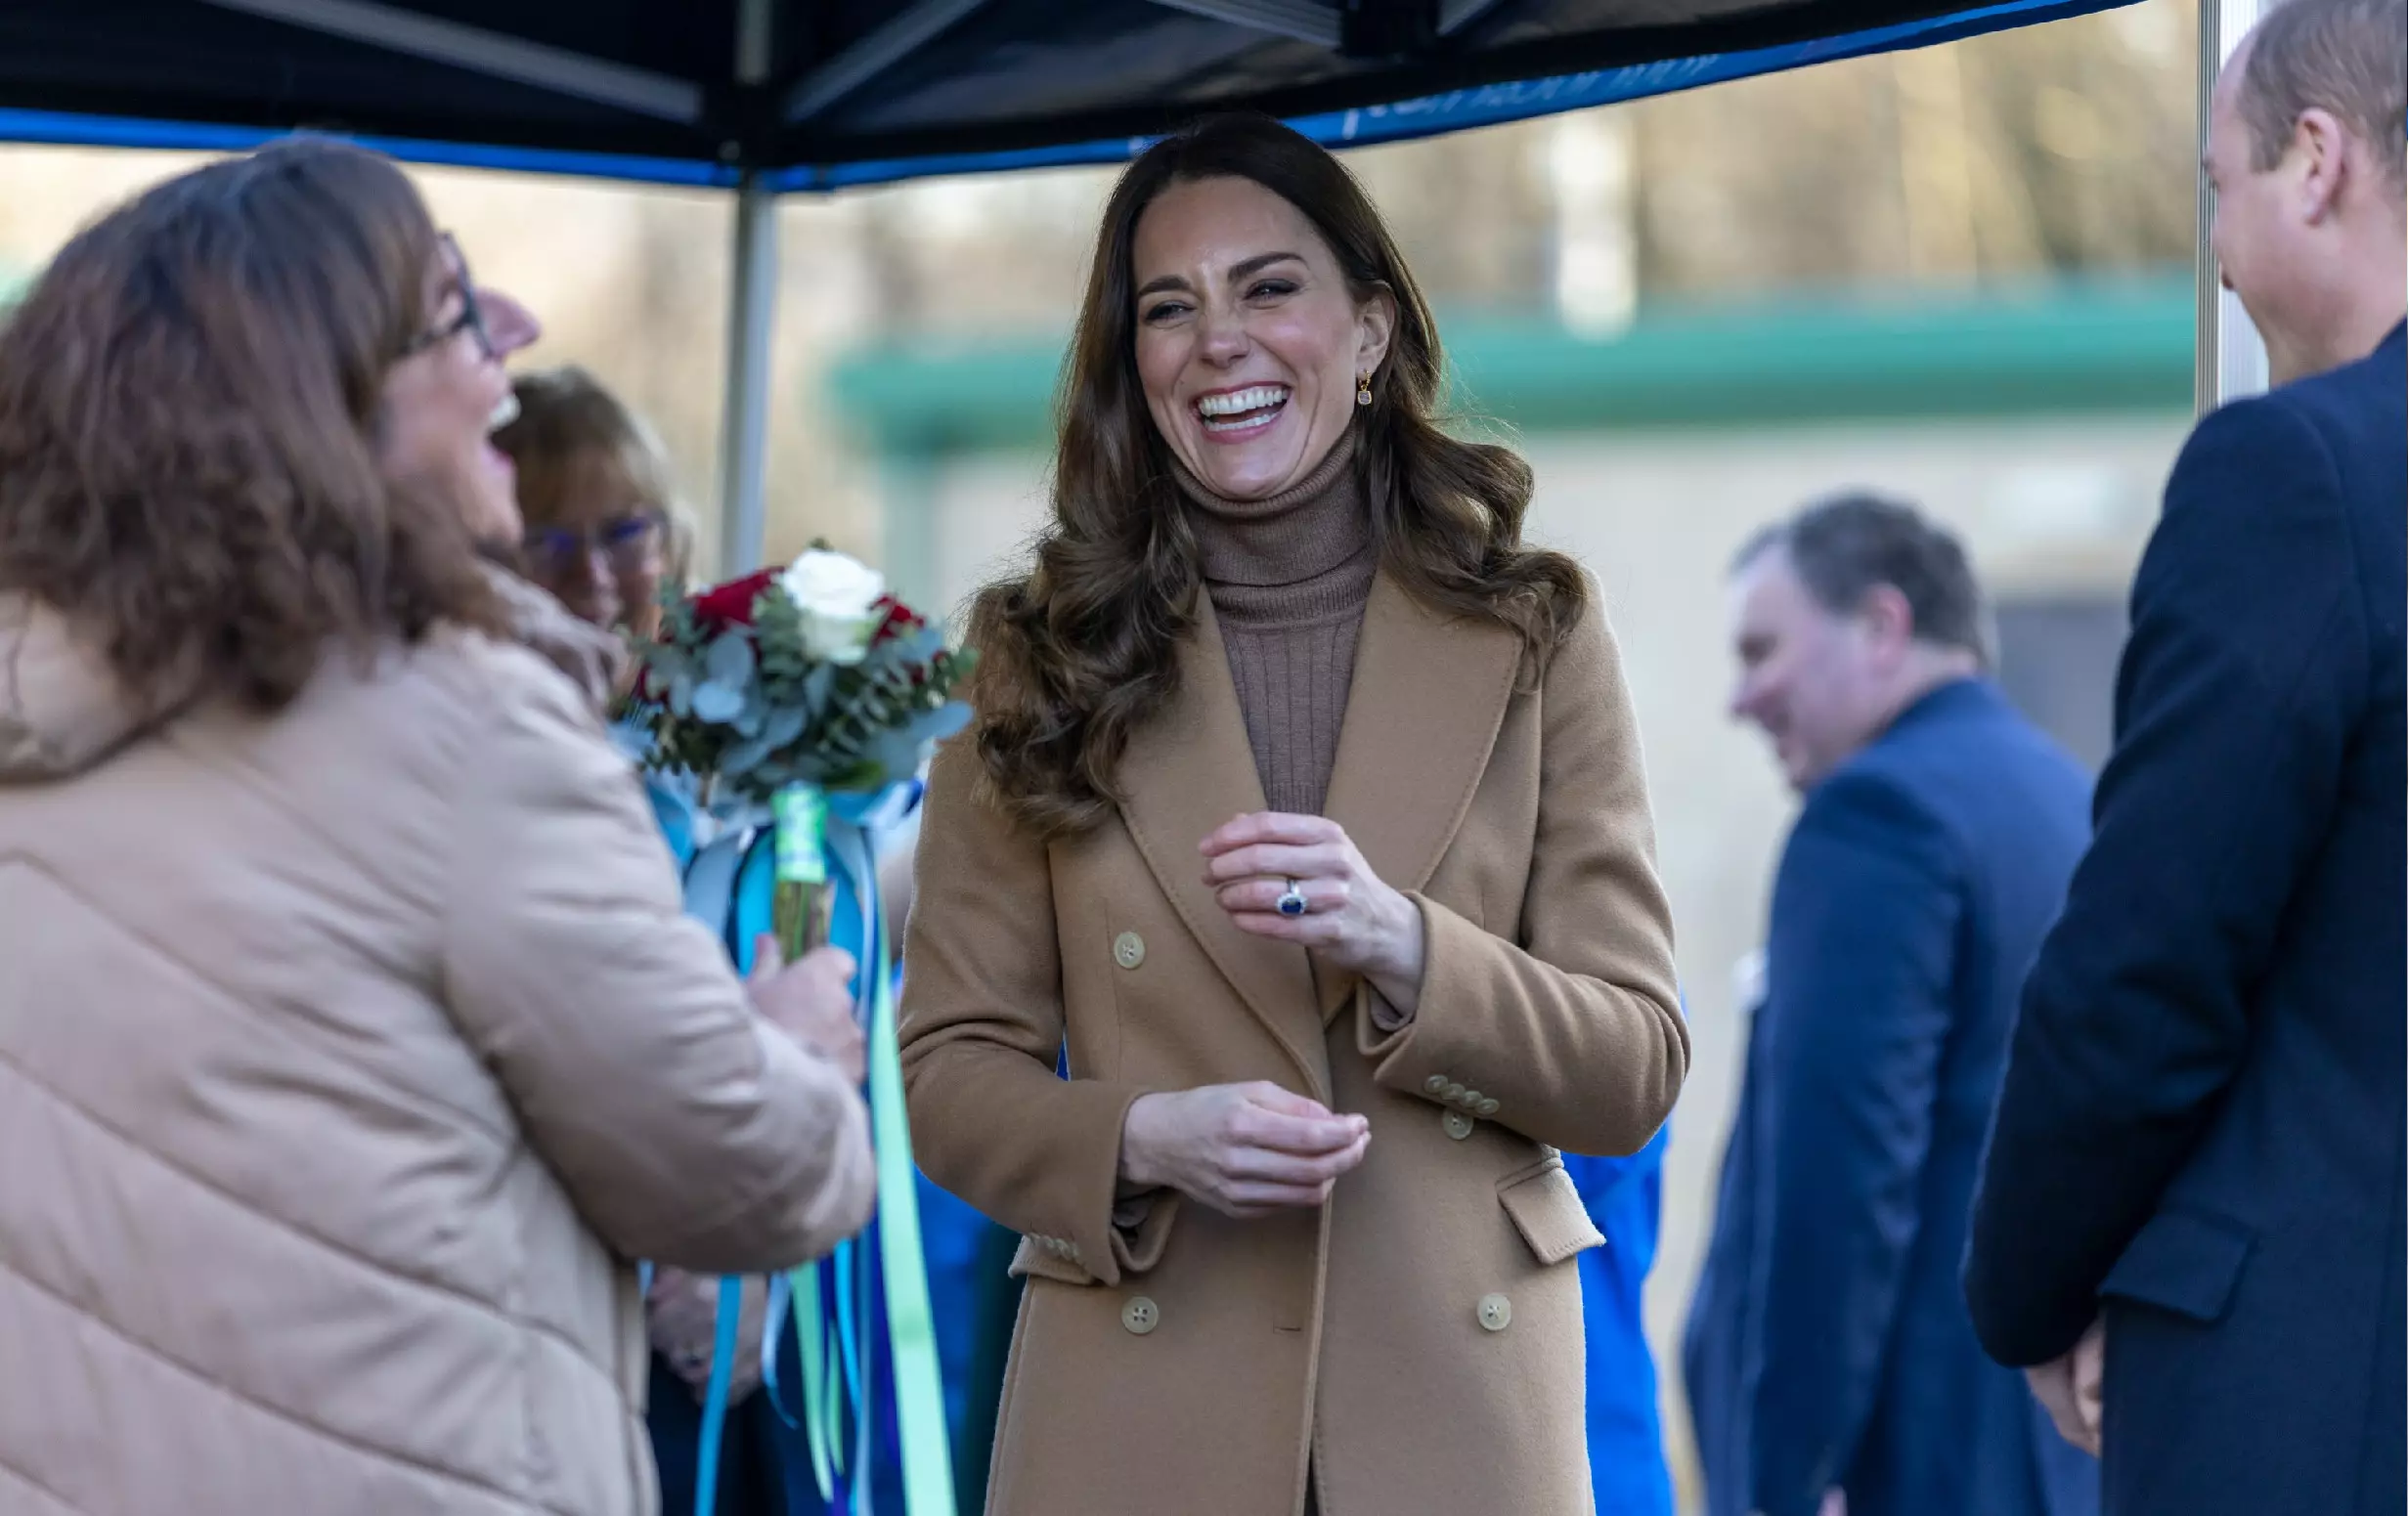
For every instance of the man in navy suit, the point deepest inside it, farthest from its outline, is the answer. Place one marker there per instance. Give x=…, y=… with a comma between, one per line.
x=1937, y=833
x=2195, y=1189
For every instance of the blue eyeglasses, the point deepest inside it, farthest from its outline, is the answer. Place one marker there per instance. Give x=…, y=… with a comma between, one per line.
x=625, y=539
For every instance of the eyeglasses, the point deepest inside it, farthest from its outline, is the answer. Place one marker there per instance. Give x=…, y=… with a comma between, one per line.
x=471, y=317
x=626, y=540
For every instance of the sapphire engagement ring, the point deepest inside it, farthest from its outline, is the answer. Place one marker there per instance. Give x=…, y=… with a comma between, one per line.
x=1294, y=903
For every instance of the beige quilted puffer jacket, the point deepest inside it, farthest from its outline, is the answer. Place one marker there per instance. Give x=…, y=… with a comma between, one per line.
x=346, y=1058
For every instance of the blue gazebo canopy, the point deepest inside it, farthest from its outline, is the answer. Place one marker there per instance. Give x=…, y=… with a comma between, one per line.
x=822, y=94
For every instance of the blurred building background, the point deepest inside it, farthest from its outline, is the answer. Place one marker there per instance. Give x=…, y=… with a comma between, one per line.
x=1960, y=274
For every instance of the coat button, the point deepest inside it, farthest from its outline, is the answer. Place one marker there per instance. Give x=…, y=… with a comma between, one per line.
x=1452, y=1094
x=1496, y=1312
x=1459, y=1126
x=1140, y=1314
x=1488, y=1105
x=1435, y=1084
x=1128, y=950
x=1472, y=1101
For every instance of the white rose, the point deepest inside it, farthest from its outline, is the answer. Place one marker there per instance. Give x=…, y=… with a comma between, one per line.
x=838, y=597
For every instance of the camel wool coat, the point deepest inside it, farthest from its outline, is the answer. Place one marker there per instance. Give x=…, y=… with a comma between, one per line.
x=1416, y=1343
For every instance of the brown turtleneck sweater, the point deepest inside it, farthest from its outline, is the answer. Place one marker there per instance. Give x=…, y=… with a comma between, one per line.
x=1289, y=576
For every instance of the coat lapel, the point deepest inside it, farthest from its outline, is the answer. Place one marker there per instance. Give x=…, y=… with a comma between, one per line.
x=1429, y=696
x=1187, y=771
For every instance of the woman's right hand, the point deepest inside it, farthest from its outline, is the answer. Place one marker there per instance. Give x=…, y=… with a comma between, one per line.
x=810, y=1002
x=1244, y=1149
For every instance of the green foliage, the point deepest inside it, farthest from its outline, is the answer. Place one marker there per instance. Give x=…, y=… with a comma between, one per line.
x=753, y=708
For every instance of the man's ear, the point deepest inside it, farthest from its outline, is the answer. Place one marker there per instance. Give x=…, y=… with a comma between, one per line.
x=2323, y=148
x=1888, y=618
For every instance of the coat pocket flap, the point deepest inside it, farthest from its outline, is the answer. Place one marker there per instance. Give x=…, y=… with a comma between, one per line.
x=1046, y=1258
x=2182, y=1262
x=1547, y=1211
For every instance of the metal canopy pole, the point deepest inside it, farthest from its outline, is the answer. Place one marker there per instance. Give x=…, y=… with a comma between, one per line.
x=751, y=320
x=744, y=428
x=2231, y=360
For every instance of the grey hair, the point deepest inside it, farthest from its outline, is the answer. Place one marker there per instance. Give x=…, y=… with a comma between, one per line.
x=1844, y=546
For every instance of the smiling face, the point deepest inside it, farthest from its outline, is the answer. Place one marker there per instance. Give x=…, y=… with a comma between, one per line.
x=1810, y=679
x=442, y=403
x=1249, y=343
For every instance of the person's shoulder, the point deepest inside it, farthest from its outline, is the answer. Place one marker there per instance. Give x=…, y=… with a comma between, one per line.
x=1975, y=730
x=1585, y=648
x=1883, y=798
x=2237, y=449
x=488, y=699
x=2304, y=431
x=2341, y=398
x=476, y=674
x=1863, y=833
x=2252, y=475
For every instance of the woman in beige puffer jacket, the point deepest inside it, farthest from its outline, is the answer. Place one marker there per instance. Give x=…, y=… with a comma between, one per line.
x=352, y=1041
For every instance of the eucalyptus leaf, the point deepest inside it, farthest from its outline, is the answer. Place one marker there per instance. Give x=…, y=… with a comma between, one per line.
x=730, y=660
x=784, y=725
x=896, y=753
x=717, y=703
x=744, y=757
x=946, y=720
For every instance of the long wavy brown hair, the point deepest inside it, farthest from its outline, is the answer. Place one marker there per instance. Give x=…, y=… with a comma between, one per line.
x=189, y=403
x=1080, y=652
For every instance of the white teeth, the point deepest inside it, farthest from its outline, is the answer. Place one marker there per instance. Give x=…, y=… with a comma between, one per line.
x=1262, y=396
x=503, y=413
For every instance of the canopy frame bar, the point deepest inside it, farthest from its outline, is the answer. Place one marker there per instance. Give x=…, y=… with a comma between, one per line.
x=1306, y=20
x=491, y=53
x=751, y=324
x=1455, y=15
x=872, y=55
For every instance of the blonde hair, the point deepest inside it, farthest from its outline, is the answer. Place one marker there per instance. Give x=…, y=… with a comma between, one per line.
x=568, y=420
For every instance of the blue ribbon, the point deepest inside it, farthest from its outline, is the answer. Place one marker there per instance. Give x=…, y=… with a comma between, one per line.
x=857, y=1301
x=714, y=1398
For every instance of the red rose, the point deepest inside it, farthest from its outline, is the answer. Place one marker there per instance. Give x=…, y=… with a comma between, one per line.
x=900, y=620
x=732, y=604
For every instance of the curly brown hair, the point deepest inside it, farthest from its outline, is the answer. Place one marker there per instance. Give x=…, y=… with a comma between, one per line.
x=189, y=403
x=1078, y=653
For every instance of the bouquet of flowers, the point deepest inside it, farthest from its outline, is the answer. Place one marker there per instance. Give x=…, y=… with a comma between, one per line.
x=777, y=688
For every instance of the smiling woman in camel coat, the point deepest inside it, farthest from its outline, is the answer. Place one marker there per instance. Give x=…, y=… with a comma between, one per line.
x=1419, y=1337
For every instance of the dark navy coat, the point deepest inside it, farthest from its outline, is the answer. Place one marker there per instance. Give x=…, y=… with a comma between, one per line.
x=1829, y=1344
x=2202, y=1127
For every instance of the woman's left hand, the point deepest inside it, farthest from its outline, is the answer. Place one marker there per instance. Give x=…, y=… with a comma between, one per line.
x=1351, y=921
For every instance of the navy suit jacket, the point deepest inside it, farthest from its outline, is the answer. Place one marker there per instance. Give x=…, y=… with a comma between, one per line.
x=1829, y=1344
x=2203, y=1124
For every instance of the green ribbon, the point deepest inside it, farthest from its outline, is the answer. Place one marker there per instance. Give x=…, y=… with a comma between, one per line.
x=821, y=1409
x=911, y=1330
x=911, y=1326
